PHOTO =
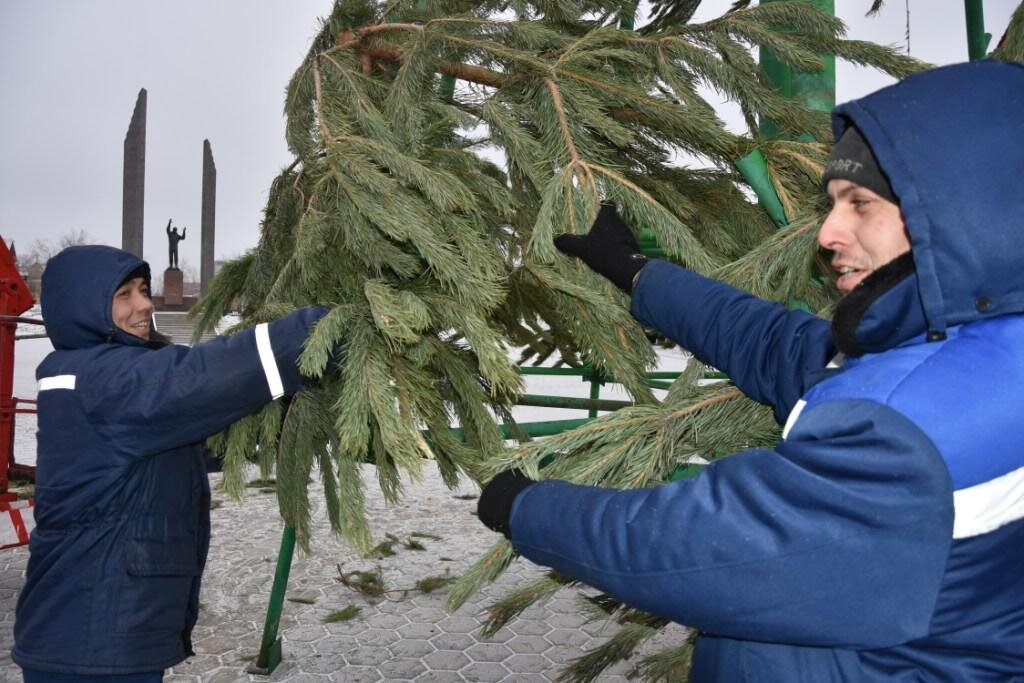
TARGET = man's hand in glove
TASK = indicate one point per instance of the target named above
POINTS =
(495, 505)
(609, 248)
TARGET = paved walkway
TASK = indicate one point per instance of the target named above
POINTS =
(398, 638)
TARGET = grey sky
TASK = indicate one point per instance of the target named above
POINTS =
(70, 72)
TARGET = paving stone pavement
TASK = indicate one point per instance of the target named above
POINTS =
(406, 637)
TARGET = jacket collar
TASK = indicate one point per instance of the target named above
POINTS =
(882, 312)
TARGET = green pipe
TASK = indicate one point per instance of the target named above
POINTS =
(448, 88)
(813, 89)
(595, 394)
(550, 371)
(755, 171)
(627, 20)
(270, 648)
(663, 374)
(571, 402)
(549, 428)
(977, 39)
(530, 428)
(588, 372)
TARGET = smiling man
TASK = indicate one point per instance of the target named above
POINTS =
(122, 501)
(865, 229)
(882, 538)
(132, 310)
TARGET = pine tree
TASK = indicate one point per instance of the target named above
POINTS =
(437, 261)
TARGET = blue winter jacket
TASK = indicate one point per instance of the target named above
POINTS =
(122, 501)
(882, 539)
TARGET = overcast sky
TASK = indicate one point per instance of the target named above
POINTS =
(71, 70)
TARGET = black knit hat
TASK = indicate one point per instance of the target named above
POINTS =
(142, 271)
(853, 160)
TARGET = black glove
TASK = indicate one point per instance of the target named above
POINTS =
(609, 248)
(495, 504)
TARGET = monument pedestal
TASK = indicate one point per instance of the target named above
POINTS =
(174, 287)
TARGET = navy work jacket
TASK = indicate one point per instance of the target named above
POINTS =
(882, 538)
(122, 500)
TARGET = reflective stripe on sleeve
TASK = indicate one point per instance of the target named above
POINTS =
(794, 415)
(987, 506)
(268, 361)
(57, 382)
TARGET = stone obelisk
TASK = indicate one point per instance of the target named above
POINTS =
(134, 188)
(209, 220)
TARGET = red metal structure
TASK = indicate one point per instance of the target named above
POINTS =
(15, 298)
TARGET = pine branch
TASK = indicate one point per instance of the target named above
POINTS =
(1011, 46)
(437, 262)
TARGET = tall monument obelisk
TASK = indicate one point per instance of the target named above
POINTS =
(209, 220)
(133, 195)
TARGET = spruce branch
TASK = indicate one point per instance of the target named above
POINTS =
(1011, 47)
(437, 264)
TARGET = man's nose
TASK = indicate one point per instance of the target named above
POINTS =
(143, 302)
(831, 233)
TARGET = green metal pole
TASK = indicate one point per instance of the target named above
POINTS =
(595, 394)
(754, 168)
(531, 428)
(550, 371)
(270, 647)
(587, 372)
(627, 19)
(977, 39)
(570, 402)
(814, 89)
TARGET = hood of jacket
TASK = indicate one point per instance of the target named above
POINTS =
(951, 141)
(78, 288)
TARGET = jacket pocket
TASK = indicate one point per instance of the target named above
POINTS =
(158, 584)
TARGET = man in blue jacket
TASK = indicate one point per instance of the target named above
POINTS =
(122, 501)
(882, 539)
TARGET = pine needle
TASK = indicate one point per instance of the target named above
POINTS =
(346, 613)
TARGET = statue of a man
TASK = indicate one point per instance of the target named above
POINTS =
(172, 243)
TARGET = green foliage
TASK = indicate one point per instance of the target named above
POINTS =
(429, 584)
(369, 583)
(302, 600)
(435, 261)
(1012, 47)
(347, 613)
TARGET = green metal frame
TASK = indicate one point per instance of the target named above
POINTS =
(977, 39)
(270, 647)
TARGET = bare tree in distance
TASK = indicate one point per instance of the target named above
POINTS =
(41, 250)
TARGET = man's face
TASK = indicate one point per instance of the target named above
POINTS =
(863, 231)
(132, 309)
